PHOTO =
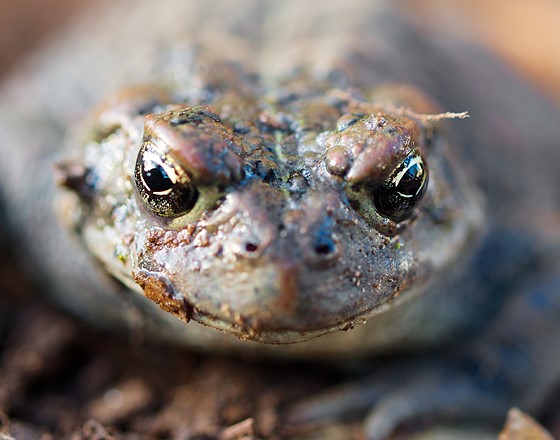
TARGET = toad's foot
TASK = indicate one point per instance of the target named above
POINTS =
(404, 394)
(479, 383)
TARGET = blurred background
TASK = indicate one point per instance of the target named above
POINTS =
(524, 32)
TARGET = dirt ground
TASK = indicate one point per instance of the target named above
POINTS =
(60, 379)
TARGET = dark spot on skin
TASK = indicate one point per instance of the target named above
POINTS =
(207, 113)
(184, 119)
(260, 169)
(241, 128)
(251, 247)
(346, 121)
(76, 177)
(194, 116)
(269, 177)
(297, 183)
(324, 248)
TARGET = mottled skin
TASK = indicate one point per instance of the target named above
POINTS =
(283, 125)
(281, 240)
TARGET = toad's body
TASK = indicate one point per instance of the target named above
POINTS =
(280, 198)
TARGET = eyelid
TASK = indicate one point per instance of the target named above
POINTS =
(207, 149)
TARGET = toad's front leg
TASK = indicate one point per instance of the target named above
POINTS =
(514, 363)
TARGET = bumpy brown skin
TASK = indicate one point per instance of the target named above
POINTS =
(281, 240)
(296, 166)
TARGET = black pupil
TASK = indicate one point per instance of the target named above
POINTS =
(155, 177)
(411, 182)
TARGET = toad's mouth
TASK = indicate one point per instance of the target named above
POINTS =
(279, 302)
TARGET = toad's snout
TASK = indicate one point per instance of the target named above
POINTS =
(272, 266)
(278, 267)
(263, 224)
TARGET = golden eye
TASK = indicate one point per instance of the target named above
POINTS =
(403, 189)
(164, 187)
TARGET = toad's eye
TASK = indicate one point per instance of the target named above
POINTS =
(403, 189)
(164, 187)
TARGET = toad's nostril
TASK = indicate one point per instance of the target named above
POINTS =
(324, 248)
(251, 247)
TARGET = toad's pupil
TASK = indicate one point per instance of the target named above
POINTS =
(155, 177)
(411, 181)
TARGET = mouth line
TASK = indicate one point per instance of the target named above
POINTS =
(262, 324)
(275, 336)
(251, 331)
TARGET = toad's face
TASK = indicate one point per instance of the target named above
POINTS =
(276, 219)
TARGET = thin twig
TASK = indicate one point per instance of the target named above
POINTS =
(243, 428)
